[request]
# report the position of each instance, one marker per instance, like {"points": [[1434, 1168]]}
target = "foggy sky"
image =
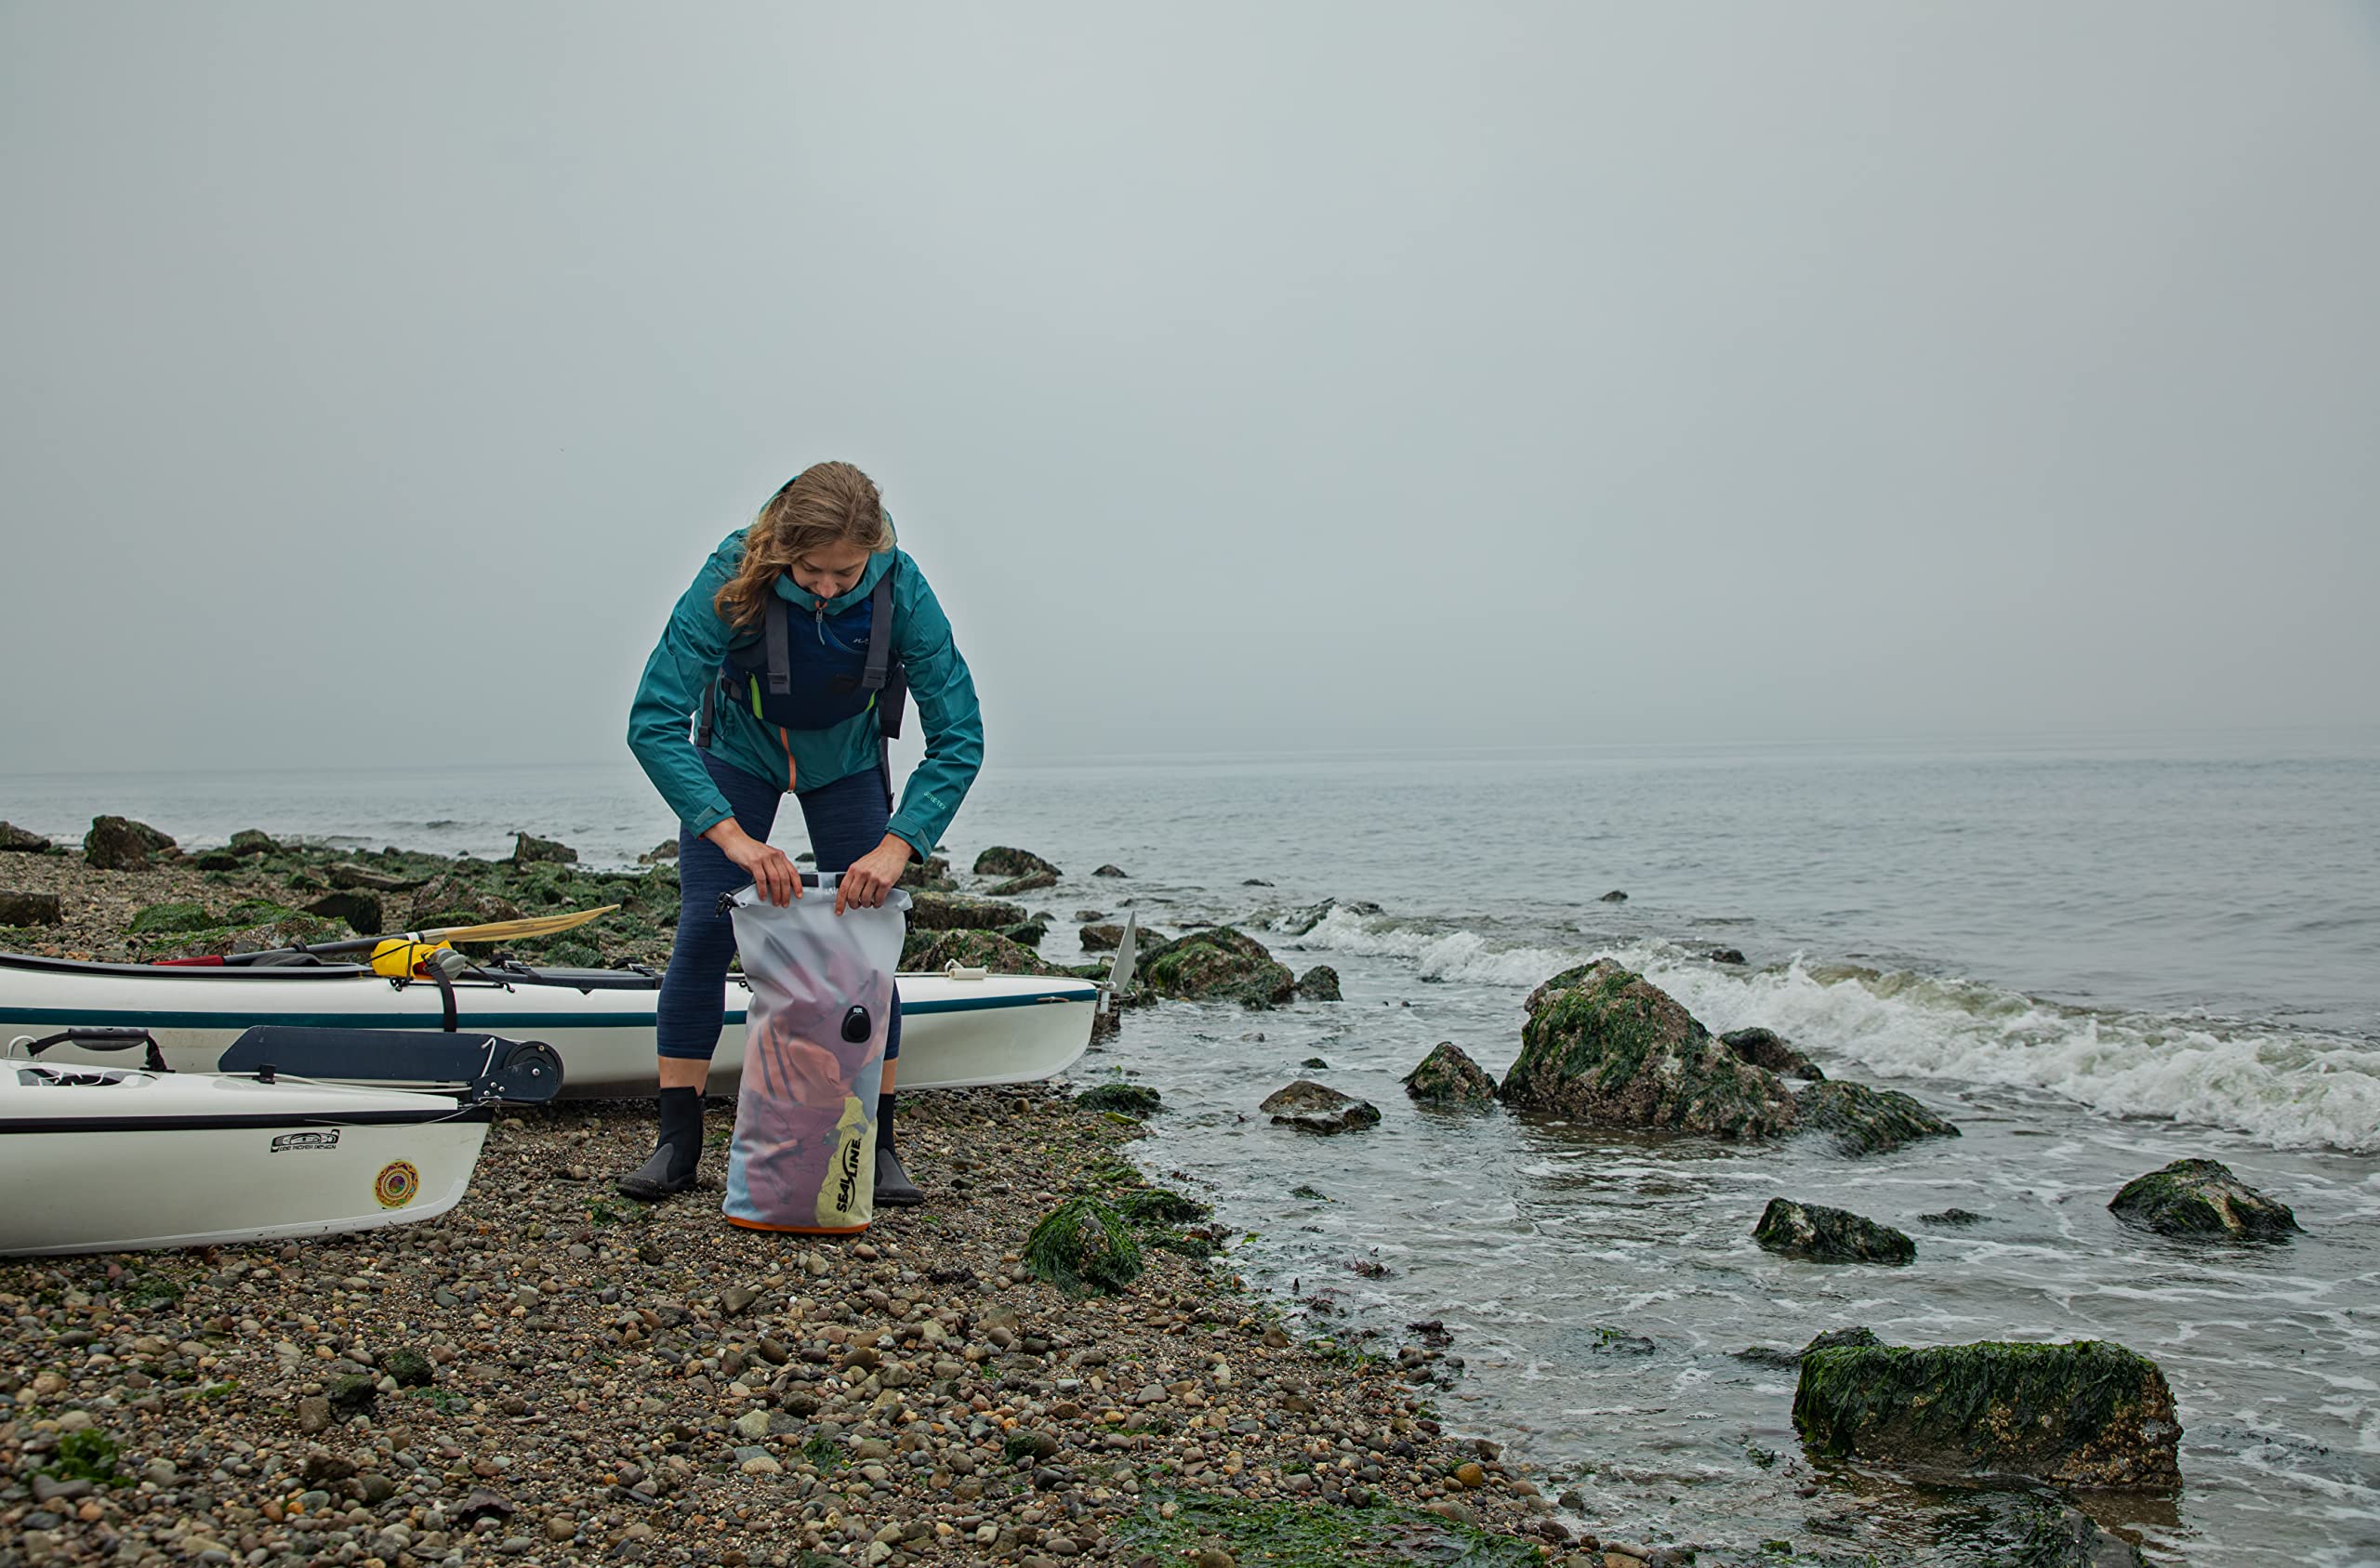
{"points": [[1242, 375]]}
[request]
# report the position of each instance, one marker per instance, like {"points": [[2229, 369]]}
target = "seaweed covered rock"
{"points": [[931, 952], [1107, 936], [2038, 1530], [1160, 1205], [1002, 861], [23, 840], [668, 851], [2202, 1199], [528, 849], [1131, 1100], [457, 901], [30, 909], [2088, 1415], [1447, 1076], [1868, 1121], [160, 919], [1766, 1048], [958, 912], [1312, 1107], [1603, 1044], [1111, 871], [121, 844], [1031, 882], [348, 874], [1320, 984], [1829, 1235], [252, 841], [929, 876], [1217, 964], [1084, 1247], [1030, 934], [360, 910]]}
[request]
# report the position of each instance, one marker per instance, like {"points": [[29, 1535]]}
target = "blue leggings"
{"points": [[846, 820]]}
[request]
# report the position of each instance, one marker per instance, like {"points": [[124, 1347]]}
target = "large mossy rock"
{"points": [[1217, 964], [1084, 1247], [162, 920], [1868, 1121], [2088, 1415], [958, 912], [1766, 1048], [2201, 1199], [931, 952], [1106, 937], [252, 841], [1320, 984], [529, 850], [23, 840], [457, 901], [1603, 1044], [1312, 1107], [929, 876], [1447, 1076], [1017, 887], [121, 844], [1829, 1235], [1002, 861]]}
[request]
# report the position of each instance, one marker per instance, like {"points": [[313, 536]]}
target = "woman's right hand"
{"points": [[774, 875]]}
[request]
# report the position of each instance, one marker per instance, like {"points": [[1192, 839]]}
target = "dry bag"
{"points": [[804, 1154]]}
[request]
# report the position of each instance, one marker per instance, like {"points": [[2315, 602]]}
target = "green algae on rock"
{"points": [[121, 844], [1313, 1107], [2089, 1414], [960, 912], [1031, 882], [1447, 1076], [1320, 984], [929, 952], [1131, 1100], [1360, 1531], [528, 848], [2202, 1198], [1085, 1247], [1868, 1121], [1001, 860], [1217, 964], [1603, 1044], [1821, 1234], [159, 919], [1766, 1048]]}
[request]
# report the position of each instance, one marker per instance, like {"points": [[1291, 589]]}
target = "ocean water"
{"points": [[2092, 958]]}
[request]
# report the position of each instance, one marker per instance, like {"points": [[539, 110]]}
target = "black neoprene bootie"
{"points": [[894, 1188], [676, 1152]]}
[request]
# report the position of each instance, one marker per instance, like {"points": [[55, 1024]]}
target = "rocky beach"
{"points": [[1095, 1341], [553, 1373]]}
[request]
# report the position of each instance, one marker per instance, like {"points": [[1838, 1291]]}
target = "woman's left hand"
{"points": [[873, 875]]}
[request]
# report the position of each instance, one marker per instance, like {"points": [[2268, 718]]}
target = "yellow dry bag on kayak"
{"points": [[803, 1157]]}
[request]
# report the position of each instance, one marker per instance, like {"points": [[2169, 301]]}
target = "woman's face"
{"points": [[828, 572]]}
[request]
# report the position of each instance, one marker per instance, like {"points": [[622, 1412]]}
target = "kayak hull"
{"points": [[956, 1033], [115, 1160]]}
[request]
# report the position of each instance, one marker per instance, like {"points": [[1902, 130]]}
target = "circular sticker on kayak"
{"points": [[397, 1184]]}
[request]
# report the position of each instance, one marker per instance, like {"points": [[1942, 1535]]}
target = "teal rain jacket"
{"points": [[687, 658]]}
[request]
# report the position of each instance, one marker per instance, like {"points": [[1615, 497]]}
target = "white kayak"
{"points": [[957, 1030], [114, 1159]]}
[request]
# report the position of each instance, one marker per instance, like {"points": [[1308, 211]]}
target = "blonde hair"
{"points": [[825, 504]]}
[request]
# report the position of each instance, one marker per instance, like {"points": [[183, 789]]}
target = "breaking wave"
{"points": [[2290, 1089]]}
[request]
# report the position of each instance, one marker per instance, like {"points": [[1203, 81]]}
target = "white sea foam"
{"points": [[2291, 1090]]}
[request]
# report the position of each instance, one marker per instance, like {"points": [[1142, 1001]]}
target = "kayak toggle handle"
{"points": [[99, 1038]]}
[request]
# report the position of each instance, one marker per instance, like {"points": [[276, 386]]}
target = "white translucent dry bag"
{"points": [[804, 1154]]}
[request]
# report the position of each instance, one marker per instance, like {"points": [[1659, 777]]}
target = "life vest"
{"points": [[817, 670]]}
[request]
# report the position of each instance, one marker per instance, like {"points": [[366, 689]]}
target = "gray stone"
{"points": [[1312, 1107], [30, 909]]}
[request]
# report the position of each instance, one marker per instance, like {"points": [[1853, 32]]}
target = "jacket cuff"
{"points": [[698, 826], [920, 844]]}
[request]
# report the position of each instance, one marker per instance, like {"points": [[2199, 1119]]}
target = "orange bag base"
{"points": [[797, 1229]]}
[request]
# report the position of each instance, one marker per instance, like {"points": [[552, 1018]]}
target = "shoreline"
{"points": [[596, 1367], [554, 1372]]}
